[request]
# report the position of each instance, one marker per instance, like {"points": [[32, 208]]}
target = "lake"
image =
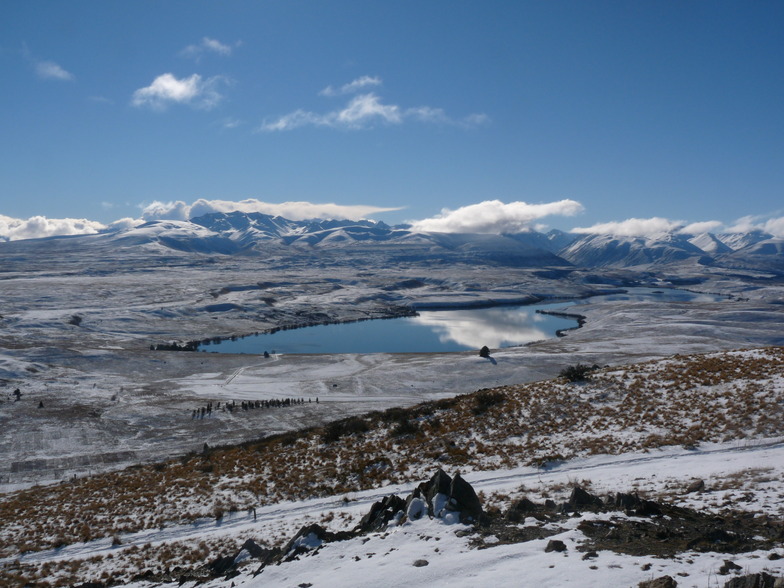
{"points": [[440, 330]]}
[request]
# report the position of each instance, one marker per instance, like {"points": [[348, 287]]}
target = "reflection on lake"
{"points": [[500, 326], [440, 330]]}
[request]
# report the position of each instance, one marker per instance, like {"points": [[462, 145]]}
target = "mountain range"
{"points": [[238, 233]]}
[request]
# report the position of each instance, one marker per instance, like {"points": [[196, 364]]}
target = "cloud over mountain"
{"points": [[656, 226], [772, 225], [180, 210], [496, 217], [632, 227], [14, 229]]}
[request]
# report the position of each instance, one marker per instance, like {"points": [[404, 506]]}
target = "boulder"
{"points": [[662, 582], [760, 580], [555, 545], [440, 483], [582, 500], [381, 513], [221, 565], [463, 498], [632, 504], [728, 566], [253, 548]]}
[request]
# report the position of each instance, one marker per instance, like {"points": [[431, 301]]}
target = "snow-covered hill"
{"points": [[617, 251], [679, 464]]}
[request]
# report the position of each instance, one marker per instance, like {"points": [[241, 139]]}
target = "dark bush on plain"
{"points": [[405, 428], [484, 399], [349, 426], [576, 373]]}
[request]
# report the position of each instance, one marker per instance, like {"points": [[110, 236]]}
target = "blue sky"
{"points": [[596, 112]]}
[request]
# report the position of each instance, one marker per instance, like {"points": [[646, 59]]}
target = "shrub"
{"points": [[484, 399], [576, 373], [405, 428], [349, 426]]}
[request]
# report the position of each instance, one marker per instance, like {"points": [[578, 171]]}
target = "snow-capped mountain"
{"points": [[620, 251], [255, 233], [765, 255], [737, 241], [710, 243], [236, 232]]}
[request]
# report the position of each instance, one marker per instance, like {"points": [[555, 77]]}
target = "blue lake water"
{"points": [[439, 330]]}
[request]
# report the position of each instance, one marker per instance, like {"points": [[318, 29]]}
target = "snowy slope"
{"points": [[698, 436], [709, 243], [618, 251]]}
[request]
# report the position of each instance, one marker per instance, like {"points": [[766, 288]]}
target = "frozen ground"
{"points": [[748, 476], [75, 334]]}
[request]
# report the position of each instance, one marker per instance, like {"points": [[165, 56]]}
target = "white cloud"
{"points": [[772, 225], [351, 87], [701, 227], [49, 70], [633, 227], [365, 110], [231, 123], [775, 226], [206, 45], [475, 120], [428, 114], [166, 89], [180, 210], [745, 224], [125, 223], [494, 216], [361, 112], [14, 229]]}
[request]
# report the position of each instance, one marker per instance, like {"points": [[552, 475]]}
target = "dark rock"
{"points": [[590, 555], [662, 582], [696, 486], [634, 505], [524, 505], [381, 513], [555, 545], [417, 511], [420, 563], [774, 556], [582, 500], [463, 498], [761, 580], [728, 566], [520, 509], [716, 539], [299, 543], [253, 548], [221, 565], [440, 483]]}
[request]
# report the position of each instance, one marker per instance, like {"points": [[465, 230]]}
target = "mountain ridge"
{"points": [[255, 233]]}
